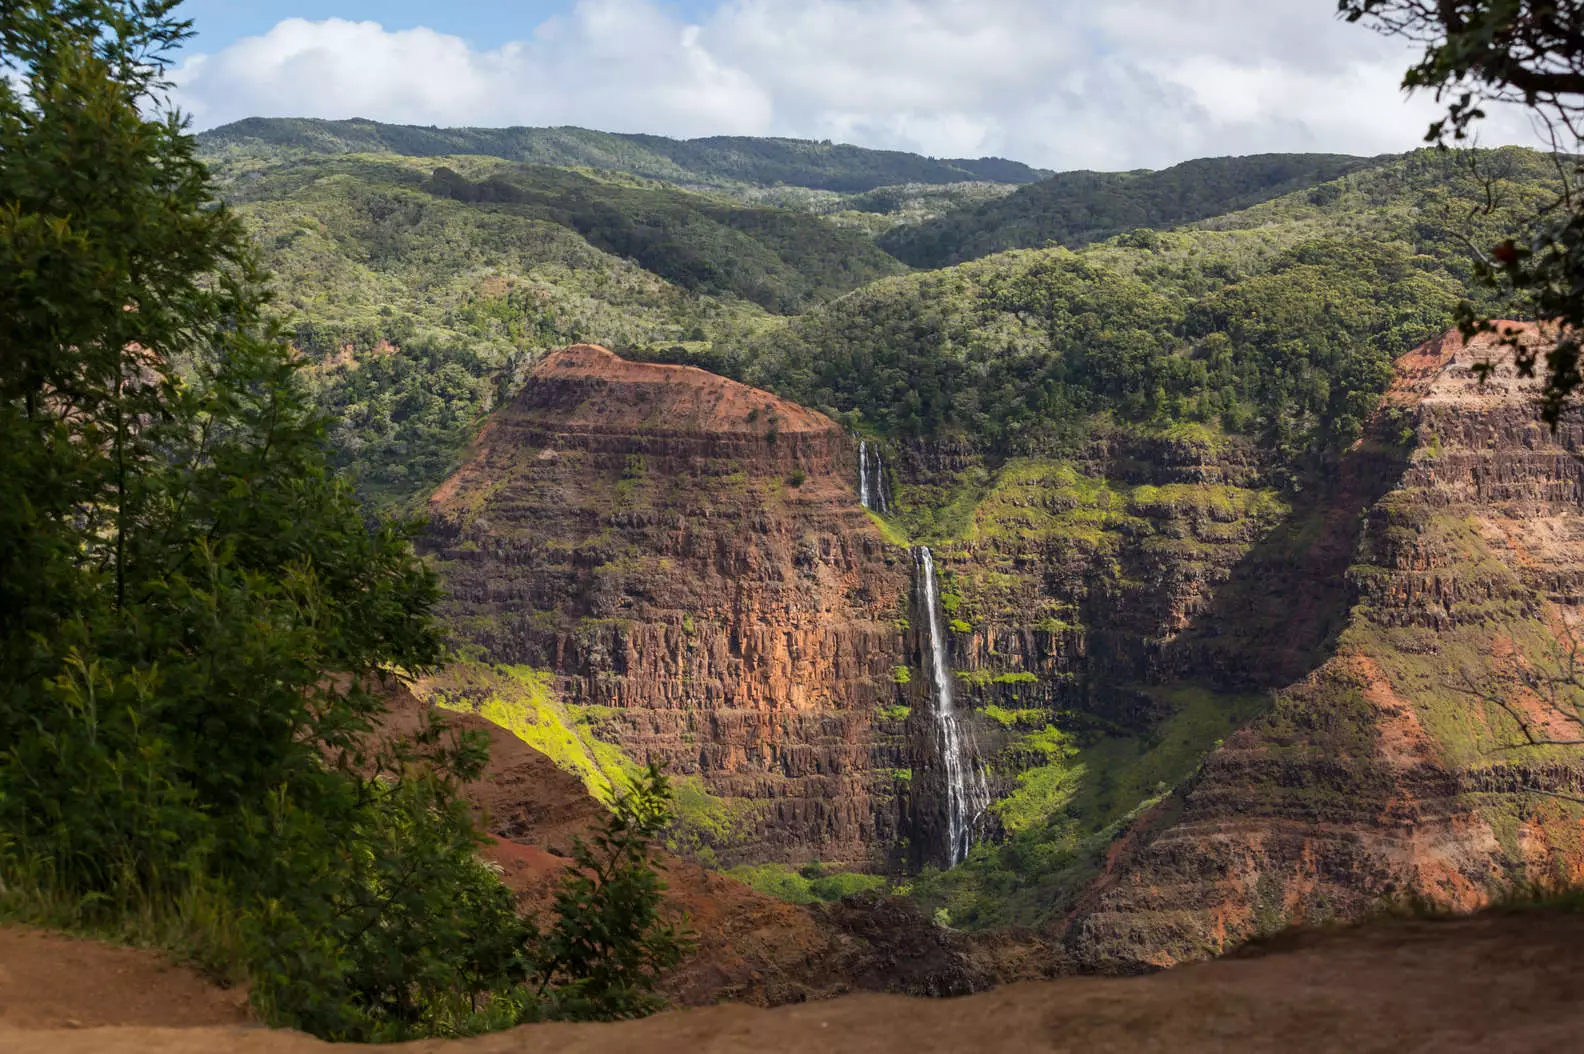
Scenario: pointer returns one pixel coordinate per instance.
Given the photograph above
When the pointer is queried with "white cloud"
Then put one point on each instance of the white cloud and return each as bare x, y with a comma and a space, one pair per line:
1059, 83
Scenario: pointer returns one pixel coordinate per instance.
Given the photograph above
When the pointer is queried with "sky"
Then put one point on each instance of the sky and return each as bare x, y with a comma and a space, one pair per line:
1061, 84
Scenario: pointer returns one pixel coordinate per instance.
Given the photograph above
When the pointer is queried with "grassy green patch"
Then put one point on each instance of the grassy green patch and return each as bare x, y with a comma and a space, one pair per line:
522, 701
1123, 772
704, 822
888, 530
1013, 718
807, 885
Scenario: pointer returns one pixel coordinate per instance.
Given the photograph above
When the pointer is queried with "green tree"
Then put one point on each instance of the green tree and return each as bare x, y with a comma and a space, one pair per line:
1528, 53
195, 618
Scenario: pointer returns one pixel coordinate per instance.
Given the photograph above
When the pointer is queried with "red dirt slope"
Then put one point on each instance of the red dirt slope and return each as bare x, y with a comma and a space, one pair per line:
1492, 985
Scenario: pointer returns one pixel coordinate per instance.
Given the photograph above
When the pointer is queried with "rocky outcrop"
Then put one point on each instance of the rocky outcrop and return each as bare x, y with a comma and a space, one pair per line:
689, 558
1405, 765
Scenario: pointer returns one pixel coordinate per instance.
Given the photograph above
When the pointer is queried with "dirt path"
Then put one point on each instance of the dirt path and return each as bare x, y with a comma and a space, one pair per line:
50, 981
1495, 984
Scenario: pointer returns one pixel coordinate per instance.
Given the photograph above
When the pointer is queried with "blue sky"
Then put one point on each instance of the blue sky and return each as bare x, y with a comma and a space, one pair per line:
483, 23
1064, 84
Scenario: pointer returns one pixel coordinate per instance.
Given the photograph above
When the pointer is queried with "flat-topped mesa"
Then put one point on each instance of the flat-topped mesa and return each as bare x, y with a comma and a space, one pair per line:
586, 396
1404, 765
688, 559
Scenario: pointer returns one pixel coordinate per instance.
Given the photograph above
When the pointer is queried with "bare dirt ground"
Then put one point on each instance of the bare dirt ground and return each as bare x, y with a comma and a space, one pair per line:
1499, 983
48, 981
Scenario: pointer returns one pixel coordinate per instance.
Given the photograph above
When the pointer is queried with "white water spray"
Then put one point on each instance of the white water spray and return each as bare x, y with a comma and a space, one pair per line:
967, 796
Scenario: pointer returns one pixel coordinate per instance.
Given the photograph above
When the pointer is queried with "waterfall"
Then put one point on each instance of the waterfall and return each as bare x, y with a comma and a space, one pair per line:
966, 793
872, 489
882, 489
864, 495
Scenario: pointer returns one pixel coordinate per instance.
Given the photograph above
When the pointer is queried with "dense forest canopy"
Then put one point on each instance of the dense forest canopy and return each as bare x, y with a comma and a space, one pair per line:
1281, 319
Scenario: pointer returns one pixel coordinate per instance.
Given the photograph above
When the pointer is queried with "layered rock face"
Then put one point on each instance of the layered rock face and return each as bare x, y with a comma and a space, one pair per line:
688, 557
1415, 762
1085, 572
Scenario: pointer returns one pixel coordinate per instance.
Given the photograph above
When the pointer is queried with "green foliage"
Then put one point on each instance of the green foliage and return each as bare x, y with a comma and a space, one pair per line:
704, 822
779, 259
986, 347
521, 700
1046, 789
609, 944
1077, 791
196, 620
1012, 718
811, 884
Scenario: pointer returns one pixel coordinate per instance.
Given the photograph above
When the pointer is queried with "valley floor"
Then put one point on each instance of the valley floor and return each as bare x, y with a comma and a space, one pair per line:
1497, 983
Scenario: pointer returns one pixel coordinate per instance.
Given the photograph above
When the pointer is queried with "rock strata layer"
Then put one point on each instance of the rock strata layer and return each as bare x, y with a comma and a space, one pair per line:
688, 557
1406, 765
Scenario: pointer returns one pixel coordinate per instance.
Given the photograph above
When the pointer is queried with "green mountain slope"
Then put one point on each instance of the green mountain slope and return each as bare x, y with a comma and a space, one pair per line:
779, 259
415, 309
1076, 208
1279, 320
713, 161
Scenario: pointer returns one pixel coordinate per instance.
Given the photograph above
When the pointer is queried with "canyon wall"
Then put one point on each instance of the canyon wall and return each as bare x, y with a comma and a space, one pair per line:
1427, 758
1317, 701
688, 558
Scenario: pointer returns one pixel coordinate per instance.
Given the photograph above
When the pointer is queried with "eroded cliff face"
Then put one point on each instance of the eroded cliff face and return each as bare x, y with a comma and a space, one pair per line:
1406, 765
689, 561
688, 558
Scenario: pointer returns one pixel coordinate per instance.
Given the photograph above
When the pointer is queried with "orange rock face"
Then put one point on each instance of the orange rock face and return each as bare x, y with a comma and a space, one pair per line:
687, 555
1403, 766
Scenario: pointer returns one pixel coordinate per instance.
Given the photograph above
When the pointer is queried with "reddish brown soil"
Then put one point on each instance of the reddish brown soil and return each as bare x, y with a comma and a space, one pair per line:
50, 981
1492, 985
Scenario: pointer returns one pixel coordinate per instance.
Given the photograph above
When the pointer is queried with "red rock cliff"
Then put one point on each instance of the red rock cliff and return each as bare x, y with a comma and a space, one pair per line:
688, 557
1402, 766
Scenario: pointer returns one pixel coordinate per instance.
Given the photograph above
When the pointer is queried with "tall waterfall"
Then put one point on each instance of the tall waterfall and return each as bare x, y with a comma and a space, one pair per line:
967, 796
873, 491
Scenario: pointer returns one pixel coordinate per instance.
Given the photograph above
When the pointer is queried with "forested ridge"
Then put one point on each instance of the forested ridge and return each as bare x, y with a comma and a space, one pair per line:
708, 161
1280, 320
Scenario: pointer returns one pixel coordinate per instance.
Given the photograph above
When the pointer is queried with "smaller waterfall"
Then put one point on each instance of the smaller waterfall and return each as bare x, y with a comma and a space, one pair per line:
967, 795
864, 494
873, 491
